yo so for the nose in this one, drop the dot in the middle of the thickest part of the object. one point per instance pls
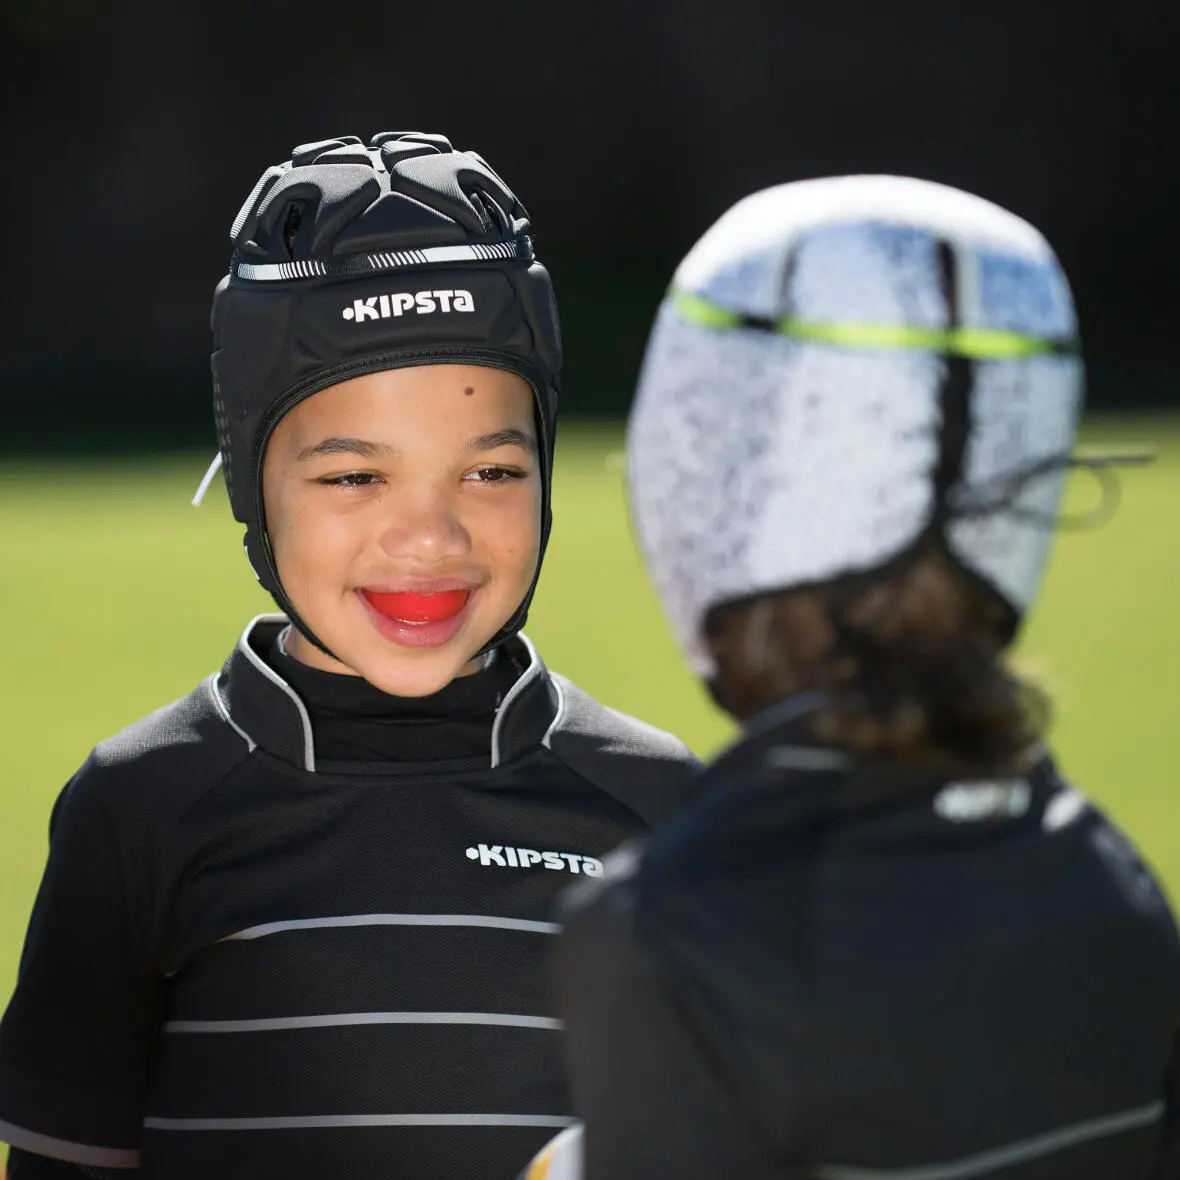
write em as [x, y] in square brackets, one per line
[425, 530]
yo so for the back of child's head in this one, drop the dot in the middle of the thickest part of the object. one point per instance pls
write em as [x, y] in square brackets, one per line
[847, 454]
[909, 659]
[351, 258]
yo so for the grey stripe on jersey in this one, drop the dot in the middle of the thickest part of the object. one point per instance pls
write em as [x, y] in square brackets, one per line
[485, 920]
[297, 1122]
[342, 1019]
[63, 1149]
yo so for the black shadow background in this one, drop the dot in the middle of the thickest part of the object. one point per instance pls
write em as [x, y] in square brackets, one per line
[132, 131]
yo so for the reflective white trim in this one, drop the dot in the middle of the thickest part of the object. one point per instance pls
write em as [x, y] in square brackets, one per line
[547, 740]
[531, 673]
[67, 1152]
[393, 259]
[987, 1162]
[1063, 809]
[295, 1122]
[277, 272]
[280, 271]
[348, 1019]
[220, 706]
[484, 921]
[283, 641]
[206, 480]
[474, 253]
[271, 675]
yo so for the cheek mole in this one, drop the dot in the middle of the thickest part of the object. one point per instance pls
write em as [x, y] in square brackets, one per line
[469, 390]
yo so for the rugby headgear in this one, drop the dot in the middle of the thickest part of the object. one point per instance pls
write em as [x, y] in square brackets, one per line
[844, 370]
[351, 258]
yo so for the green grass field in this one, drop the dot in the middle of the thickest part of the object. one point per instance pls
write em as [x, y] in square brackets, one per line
[116, 596]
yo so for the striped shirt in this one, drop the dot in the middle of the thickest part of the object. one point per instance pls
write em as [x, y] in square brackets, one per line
[244, 961]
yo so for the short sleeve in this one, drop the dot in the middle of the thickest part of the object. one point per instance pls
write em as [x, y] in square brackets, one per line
[643, 1083]
[77, 1038]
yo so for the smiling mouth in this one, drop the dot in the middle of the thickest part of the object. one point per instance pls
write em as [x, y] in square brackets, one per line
[416, 608]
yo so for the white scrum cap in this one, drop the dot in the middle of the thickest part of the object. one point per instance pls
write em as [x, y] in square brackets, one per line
[841, 370]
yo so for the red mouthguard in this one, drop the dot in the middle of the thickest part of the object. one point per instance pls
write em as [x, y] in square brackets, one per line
[407, 607]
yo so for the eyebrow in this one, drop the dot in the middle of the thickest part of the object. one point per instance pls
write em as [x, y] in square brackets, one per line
[503, 438]
[365, 449]
[344, 446]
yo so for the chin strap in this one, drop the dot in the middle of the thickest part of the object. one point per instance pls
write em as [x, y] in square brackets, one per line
[260, 561]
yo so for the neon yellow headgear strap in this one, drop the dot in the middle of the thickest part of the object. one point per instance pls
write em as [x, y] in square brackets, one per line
[982, 344]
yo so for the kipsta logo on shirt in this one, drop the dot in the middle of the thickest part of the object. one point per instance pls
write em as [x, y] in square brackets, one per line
[527, 858]
[381, 307]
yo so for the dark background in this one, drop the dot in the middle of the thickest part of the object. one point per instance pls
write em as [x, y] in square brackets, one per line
[131, 132]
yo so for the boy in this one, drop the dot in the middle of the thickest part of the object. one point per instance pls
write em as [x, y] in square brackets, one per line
[886, 938]
[293, 924]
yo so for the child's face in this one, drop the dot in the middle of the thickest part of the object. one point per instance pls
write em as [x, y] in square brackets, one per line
[410, 482]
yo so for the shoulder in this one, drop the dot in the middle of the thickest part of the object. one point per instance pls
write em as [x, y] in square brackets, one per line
[160, 763]
[1092, 842]
[593, 724]
[645, 767]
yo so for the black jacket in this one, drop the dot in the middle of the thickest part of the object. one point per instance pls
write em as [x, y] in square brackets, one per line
[851, 972]
[247, 962]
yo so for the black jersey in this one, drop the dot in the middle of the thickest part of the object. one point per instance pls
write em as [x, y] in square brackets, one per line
[249, 960]
[839, 972]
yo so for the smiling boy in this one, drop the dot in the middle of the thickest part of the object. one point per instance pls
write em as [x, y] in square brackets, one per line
[406, 502]
[294, 923]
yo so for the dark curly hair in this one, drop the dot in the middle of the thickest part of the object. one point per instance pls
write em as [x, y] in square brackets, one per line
[910, 659]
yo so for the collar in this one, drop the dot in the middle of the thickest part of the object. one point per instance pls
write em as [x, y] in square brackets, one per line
[268, 713]
[777, 754]
[779, 738]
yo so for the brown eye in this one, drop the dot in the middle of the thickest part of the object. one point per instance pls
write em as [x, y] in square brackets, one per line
[353, 479]
[495, 474]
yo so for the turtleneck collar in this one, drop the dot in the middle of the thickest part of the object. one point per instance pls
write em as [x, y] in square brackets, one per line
[353, 721]
[323, 720]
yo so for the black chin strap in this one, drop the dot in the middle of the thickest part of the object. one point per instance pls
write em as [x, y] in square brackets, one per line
[261, 559]
[261, 556]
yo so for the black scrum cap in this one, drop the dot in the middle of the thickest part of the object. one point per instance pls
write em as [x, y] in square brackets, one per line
[349, 259]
